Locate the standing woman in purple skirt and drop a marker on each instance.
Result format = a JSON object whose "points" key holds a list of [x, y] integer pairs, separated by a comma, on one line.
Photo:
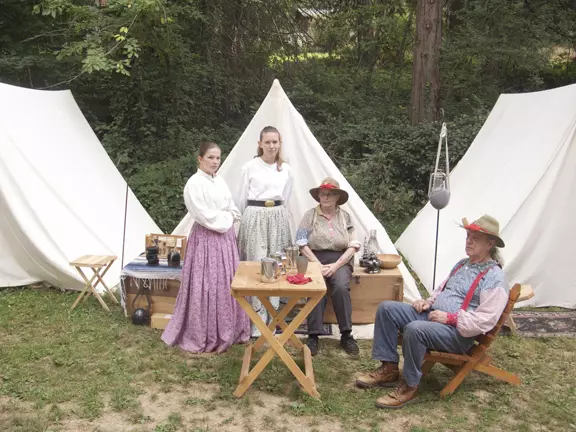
{"points": [[206, 317]]}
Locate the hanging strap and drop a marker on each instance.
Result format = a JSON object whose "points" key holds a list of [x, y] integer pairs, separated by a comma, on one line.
{"points": [[472, 288], [314, 219], [345, 226], [458, 267], [142, 290]]}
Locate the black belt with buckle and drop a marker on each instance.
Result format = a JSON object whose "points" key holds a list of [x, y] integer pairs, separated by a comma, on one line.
{"points": [[267, 203]]}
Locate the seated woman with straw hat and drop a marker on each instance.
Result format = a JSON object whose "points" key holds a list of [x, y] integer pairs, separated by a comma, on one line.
{"points": [[326, 235], [468, 303]]}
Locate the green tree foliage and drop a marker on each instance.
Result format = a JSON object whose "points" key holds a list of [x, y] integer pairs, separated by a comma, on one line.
{"points": [[153, 77]]}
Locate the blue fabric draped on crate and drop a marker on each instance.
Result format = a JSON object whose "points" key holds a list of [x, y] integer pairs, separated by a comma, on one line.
{"points": [[139, 269], [149, 277]]}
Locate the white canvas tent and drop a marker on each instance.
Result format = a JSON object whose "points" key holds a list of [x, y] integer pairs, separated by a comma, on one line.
{"points": [[311, 165], [61, 196], [521, 169]]}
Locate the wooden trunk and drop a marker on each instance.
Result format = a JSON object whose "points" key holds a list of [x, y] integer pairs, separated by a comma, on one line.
{"points": [[367, 291]]}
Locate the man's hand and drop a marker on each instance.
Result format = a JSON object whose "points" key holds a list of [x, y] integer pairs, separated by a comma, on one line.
{"points": [[329, 269], [421, 305], [438, 316]]}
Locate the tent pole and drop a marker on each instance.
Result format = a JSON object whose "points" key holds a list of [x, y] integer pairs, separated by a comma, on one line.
{"points": [[124, 230], [436, 250]]}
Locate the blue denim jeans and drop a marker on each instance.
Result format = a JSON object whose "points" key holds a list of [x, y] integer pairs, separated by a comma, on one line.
{"points": [[419, 334]]}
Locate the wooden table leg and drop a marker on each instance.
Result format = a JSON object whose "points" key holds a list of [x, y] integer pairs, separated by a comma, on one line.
{"points": [[101, 280], [511, 324], [276, 347], [94, 292], [87, 287], [246, 363], [278, 319]]}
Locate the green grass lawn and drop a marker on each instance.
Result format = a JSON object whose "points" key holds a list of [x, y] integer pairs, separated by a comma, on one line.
{"points": [[94, 370]]}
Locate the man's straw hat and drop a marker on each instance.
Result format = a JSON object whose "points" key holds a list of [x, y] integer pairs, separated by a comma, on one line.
{"points": [[487, 225]]}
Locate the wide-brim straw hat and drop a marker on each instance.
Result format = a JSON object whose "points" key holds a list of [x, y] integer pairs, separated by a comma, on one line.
{"points": [[330, 184], [487, 225]]}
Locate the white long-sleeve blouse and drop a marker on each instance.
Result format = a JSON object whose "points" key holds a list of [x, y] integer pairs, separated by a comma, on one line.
{"points": [[209, 202], [261, 181]]}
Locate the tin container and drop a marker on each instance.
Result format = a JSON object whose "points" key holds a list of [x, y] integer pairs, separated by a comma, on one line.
{"points": [[292, 253], [269, 270]]}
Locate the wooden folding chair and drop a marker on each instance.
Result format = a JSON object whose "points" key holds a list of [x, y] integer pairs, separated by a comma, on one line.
{"points": [[477, 357]]}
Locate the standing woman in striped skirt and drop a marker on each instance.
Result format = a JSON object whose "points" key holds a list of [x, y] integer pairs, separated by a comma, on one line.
{"points": [[206, 317], [265, 190]]}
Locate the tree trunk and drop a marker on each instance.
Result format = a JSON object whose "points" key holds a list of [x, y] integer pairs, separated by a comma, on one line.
{"points": [[400, 57], [425, 97], [364, 36]]}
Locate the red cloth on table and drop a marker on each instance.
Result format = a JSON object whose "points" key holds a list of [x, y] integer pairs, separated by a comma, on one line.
{"points": [[299, 279]]}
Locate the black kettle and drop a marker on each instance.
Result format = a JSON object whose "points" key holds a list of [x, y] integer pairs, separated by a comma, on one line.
{"points": [[141, 316]]}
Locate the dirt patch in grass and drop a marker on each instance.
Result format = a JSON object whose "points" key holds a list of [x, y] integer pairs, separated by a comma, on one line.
{"points": [[90, 370], [194, 408]]}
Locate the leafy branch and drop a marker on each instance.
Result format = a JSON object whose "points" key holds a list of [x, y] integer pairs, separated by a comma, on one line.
{"points": [[89, 38]]}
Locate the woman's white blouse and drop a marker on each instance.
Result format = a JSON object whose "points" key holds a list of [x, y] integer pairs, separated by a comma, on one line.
{"points": [[209, 202], [261, 182]]}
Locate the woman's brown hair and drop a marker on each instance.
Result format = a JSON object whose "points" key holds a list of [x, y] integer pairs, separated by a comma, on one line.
{"points": [[272, 129], [206, 145]]}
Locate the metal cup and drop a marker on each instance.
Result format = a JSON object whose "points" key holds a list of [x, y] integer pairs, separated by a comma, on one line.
{"points": [[292, 253], [268, 270], [302, 264]]}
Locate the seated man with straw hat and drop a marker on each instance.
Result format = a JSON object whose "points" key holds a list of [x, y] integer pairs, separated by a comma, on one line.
{"points": [[468, 303]]}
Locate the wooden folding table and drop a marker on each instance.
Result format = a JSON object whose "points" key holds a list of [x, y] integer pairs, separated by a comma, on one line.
{"points": [[247, 283], [99, 264]]}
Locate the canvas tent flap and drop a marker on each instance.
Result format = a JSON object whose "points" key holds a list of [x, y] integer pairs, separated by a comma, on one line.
{"points": [[61, 195], [519, 169], [311, 165]]}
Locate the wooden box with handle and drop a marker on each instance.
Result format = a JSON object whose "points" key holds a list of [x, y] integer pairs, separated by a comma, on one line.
{"points": [[367, 291]]}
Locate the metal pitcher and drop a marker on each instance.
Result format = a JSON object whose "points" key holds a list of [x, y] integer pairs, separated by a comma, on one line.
{"points": [[280, 260], [269, 269], [277, 256], [292, 253]]}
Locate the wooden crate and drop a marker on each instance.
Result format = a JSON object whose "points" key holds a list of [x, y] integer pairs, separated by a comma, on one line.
{"points": [[163, 301], [168, 243], [160, 320], [367, 291]]}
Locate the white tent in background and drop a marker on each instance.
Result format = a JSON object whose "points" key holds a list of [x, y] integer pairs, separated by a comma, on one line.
{"points": [[311, 165], [521, 169], [61, 196]]}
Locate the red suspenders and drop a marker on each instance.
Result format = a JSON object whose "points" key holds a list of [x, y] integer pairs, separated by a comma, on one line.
{"points": [[472, 288]]}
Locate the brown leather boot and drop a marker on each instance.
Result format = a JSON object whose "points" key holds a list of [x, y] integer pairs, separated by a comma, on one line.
{"points": [[387, 375], [402, 395]]}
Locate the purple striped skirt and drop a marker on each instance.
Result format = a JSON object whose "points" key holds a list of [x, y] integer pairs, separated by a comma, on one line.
{"points": [[206, 317]]}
